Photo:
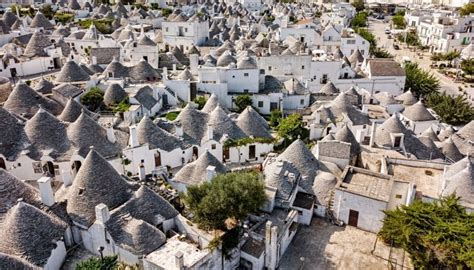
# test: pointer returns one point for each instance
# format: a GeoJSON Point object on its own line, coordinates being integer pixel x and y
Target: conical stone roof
{"type": "Point", "coordinates": [72, 72]}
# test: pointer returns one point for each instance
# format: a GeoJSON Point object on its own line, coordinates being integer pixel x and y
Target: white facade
{"type": "Point", "coordinates": [185, 34]}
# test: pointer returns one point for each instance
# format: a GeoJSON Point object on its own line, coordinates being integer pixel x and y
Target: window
{"type": "Point", "coordinates": [260, 104]}
{"type": "Point", "coordinates": [362, 51]}
{"type": "Point", "coordinates": [302, 102]}
{"type": "Point", "coordinates": [37, 167]}
{"type": "Point", "coordinates": [246, 90]}
{"type": "Point", "coordinates": [166, 29]}
{"type": "Point", "coordinates": [351, 41]}
{"type": "Point", "coordinates": [269, 68]}
{"type": "Point", "coordinates": [262, 71]}
{"type": "Point", "coordinates": [213, 146]}
{"type": "Point", "coordinates": [397, 142]}
{"type": "Point", "coordinates": [246, 74]}
{"type": "Point", "coordinates": [398, 196]}
{"type": "Point", "coordinates": [186, 30]}
{"type": "Point", "coordinates": [302, 67]}
{"type": "Point", "coordinates": [352, 51]}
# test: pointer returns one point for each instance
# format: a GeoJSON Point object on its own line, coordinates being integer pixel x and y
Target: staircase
{"type": "Point", "coordinates": [330, 213]}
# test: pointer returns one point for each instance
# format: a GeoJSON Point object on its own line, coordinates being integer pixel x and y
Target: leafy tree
{"type": "Point", "coordinates": [399, 21]}
{"type": "Point", "coordinates": [467, 66]}
{"type": "Point", "coordinates": [422, 83]}
{"type": "Point", "coordinates": [467, 9]}
{"type": "Point", "coordinates": [275, 117]}
{"type": "Point", "coordinates": [166, 12]}
{"type": "Point", "coordinates": [359, 5]}
{"type": "Point", "coordinates": [452, 110]}
{"type": "Point", "coordinates": [47, 11]}
{"type": "Point", "coordinates": [437, 235]}
{"type": "Point", "coordinates": [221, 203]}
{"type": "Point", "coordinates": [242, 101]}
{"type": "Point", "coordinates": [292, 128]}
{"type": "Point", "coordinates": [227, 197]}
{"type": "Point", "coordinates": [93, 99]}
{"type": "Point", "coordinates": [63, 18]}
{"type": "Point", "coordinates": [200, 101]}
{"type": "Point", "coordinates": [381, 53]}
{"type": "Point", "coordinates": [108, 263]}
{"type": "Point", "coordinates": [410, 38]}
{"type": "Point", "coordinates": [360, 20]}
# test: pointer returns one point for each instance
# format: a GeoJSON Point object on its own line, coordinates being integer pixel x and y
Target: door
{"type": "Point", "coordinates": [226, 154]}
{"type": "Point", "coordinates": [353, 217]}
{"type": "Point", "coordinates": [157, 159]}
{"type": "Point", "coordinates": [76, 165]}
{"type": "Point", "coordinates": [13, 72]}
{"type": "Point", "coordinates": [273, 106]}
{"type": "Point", "coordinates": [195, 152]}
{"type": "Point", "coordinates": [48, 168]}
{"type": "Point", "coordinates": [2, 164]}
{"type": "Point", "coordinates": [252, 152]}
{"type": "Point", "coordinates": [193, 90]}
{"type": "Point", "coordinates": [165, 99]}
{"type": "Point", "coordinates": [57, 63]}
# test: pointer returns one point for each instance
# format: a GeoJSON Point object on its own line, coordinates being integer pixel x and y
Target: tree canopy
{"type": "Point", "coordinates": [399, 21]}
{"type": "Point", "coordinates": [373, 49]}
{"type": "Point", "coordinates": [242, 102]}
{"type": "Point", "coordinates": [359, 5]}
{"type": "Point", "coordinates": [467, 66]}
{"type": "Point", "coordinates": [360, 20]}
{"type": "Point", "coordinates": [200, 101]}
{"type": "Point", "coordinates": [93, 99]}
{"type": "Point", "coordinates": [467, 9]}
{"type": "Point", "coordinates": [438, 235]}
{"type": "Point", "coordinates": [108, 263]}
{"type": "Point", "coordinates": [422, 83]}
{"type": "Point", "coordinates": [292, 128]}
{"type": "Point", "coordinates": [452, 110]}
{"type": "Point", "coordinates": [226, 198]}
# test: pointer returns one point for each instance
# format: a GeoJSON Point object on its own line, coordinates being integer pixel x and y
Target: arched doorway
{"type": "Point", "coordinates": [2, 164]}
{"type": "Point", "coordinates": [48, 168]}
{"type": "Point", "coordinates": [76, 165]}
{"type": "Point", "coordinates": [195, 152]}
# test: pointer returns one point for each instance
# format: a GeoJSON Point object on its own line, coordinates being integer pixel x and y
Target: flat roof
{"type": "Point", "coordinates": [366, 183]}
{"type": "Point", "coordinates": [165, 256]}
{"type": "Point", "coordinates": [427, 179]}
{"type": "Point", "coordinates": [254, 247]}
{"type": "Point", "coordinates": [304, 200]}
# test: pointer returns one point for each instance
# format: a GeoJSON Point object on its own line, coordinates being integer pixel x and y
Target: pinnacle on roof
{"type": "Point", "coordinates": [329, 89]}
{"type": "Point", "coordinates": [156, 137]}
{"type": "Point", "coordinates": [96, 182]}
{"type": "Point", "coordinates": [446, 133]}
{"type": "Point", "coordinates": [25, 101]}
{"type": "Point", "coordinates": [418, 112]}
{"type": "Point", "coordinates": [225, 59]}
{"type": "Point", "coordinates": [40, 21]}
{"type": "Point", "coordinates": [195, 172]}
{"type": "Point", "coordinates": [430, 133]}
{"type": "Point", "coordinates": [222, 125]}
{"type": "Point", "coordinates": [44, 86]}
{"type": "Point", "coordinates": [345, 135]}
{"type": "Point", "coordinates": [193, 122]}
{"type": "Point", "coordinates": [114, 94]}
{"type": "Point", "coordinates": [71, 111]}
{"type": "Point", "coordinates": [449, 149]}
{"type": "Point", "coordinates": [72, 72]}
{"type": "Point", "coordinates": [143, 71]}
{"type": "Point", "coordinates": [37, 44]}
{"type": "Point", "coordinates": [253, 124]}
{"type": "Point", "coordinates": [407, 98]}
{"type": "Point", "coordinates": [211, 104]}
{"type": "Point", "coordinates": [46, 132]}
{"type": "Point", "coordinates": [185, 75]}
{"type": "Point", "coordinates": [30, 233]}
{"type": "Point", "coordinates": [246, 62]}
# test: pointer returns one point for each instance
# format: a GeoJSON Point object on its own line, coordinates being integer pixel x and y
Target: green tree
{"type": "Point", "coordinates": [223, 202]}
{"type": "Point", "coordinates": [467, 9]}
{"type": "Point", "coordinates": [108, 263]}
{"type": "Point", "coordinates": [399, 21]}
{"type": "Point", "coordinates": [381, 53]}
{"type": "Point", "coordinates": [452, 110]}
{"type": "Point", "coordinates": [200, 101]}
{"type": "Point", "coordinates": [93, 99]}
{"type": "Point", "coordinates": [292, 128]}
{"type": "Point", "coordinates": [242, 102]}
{"type": "Point", "coordinates": [422, 83]}
{"type": "Point", "coordinates": [275, 117]}
{"type": "Point", "coordinates": [410, 38]}
{"type": "Point", "coordinates": [437, 235]}
{"type": "Point", "coordinates": [373, 49]}
{"type": "Point", "coordinates": [359, 5]}
{"type": "Point", "coordinates": [467, 66]}
{"type": "Point", "coordinates": [360, 20]}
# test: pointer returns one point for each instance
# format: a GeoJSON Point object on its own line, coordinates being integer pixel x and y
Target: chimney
{"type": "Point", "coordinates": [179, 260]}
{"type": "Point", "coordinates": [317, 117]}
{"type": "Point", "coordinates": [211, 172]}
{"type": "Point", "coordinates": [174, 67]}
{"type": "Point", "coordinates": [110, 133]}
{"type": "Point", "coordinates": [94, 60]}
{"type": "Point", "coordinates": [193, 63]}
{"type": "Point", "coordinates": [372, 134]}
{"type": "Point", "coordinates": [141, 171]}
{"type": "Point", "coordinates": [46, 192]}
{"type": "Point", "coordinates": [312, 132]}
{"type": "Point", "coordinates": [133, 141]}
{"type": "Point", "coordinates": [102, 214]}
{"type": "Point", "coordinates": [268, 234]}
{"type": "Point", "coordinates": [210, 132]}
{"type": "Point", "coordinates": [165, 72]}
{"type": "Point", "coordinates": [67, 178]}
{"type": "Point", "coordinates": [273, 247]}
{"type": "Point", "coordinates": [178, 129]}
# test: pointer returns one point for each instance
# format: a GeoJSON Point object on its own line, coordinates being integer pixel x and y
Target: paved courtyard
{"type": "Point", "coordinates": [325, 246]}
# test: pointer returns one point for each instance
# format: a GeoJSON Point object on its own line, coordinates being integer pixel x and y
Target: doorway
{"type": "Point", "coordinates": [2, 164]}
{"type": "Point", "coordinates": [48, 168]}
{"type": "Point", "coordinates": [353, 218]}
{"type": "Point", "coordinates": [57, 63]}
{"type": "Point", "coordinates": [195, 152]}
{"type": "Point", "coordinates": [76, 165]}
{"type": "Point", "coordinates": [13, 72]}
{"type": "Point", "coordinates": [225, 154]}
{"type": "Point", "coordinates": [157, 159]}
{"type": "Point", "coordinates": [252, 152]}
